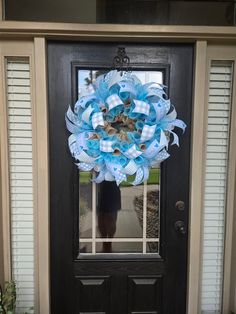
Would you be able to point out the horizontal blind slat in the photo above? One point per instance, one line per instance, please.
(18, 66)
(220, 84)
(213, 106)
(20, 119)
(20, 104)
(221, 69)
(19, 112)
(18, 81)
(219, 99)
(17, 74)
(214, 113)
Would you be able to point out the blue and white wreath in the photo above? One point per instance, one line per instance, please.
(122, 128)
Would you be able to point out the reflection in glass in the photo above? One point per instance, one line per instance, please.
(153, 200)
(149, 76)
(119, 247)
(152, 247)
(122, 219)
(85, 205)
(116, 206)
(109, 202)
(86, 77)
(85, 247)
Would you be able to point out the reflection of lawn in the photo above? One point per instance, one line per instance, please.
(84, 177)
(154, 175)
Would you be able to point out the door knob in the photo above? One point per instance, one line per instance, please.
(180, 227)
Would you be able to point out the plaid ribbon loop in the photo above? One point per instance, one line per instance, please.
(141, 107)
(97, 120)
(132, 152)
(113, 101)
(85, 166)
(147, 132)
(106, 146)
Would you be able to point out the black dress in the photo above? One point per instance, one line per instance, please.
(109, 197)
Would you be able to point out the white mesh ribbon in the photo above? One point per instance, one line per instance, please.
(87, 113)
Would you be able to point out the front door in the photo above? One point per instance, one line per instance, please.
(118, 250)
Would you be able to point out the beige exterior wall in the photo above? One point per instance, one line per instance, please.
(204, 37)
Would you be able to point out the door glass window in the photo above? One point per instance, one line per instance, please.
(122, 219)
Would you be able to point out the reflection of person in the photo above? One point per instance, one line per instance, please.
(109, 202)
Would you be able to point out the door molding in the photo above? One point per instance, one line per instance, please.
(151, 33)
(196, 176)
(42, 168)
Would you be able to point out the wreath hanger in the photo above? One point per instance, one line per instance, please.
(121, 61)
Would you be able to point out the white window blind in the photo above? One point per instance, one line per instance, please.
(21, 180)
(219, 107)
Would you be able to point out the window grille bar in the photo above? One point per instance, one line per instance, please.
(144, 217)
(118, 240)
(94, 193)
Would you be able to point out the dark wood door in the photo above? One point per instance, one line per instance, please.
(133, 276)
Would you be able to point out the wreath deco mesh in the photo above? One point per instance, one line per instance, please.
(122, 127)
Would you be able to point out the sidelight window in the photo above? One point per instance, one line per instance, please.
(21, 180)
(219, 108)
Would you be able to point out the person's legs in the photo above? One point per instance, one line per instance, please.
(107, 228)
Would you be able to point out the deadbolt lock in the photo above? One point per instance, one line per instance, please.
(180, 205)
(180, 227)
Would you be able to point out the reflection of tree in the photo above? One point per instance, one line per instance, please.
(152, 216)
(93, 74)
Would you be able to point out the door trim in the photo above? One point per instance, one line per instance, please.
(151, 33)
(42, 160)
(196, 184)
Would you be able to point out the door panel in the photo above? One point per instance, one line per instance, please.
(91, 290)
(144, 294)
(134, 281)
